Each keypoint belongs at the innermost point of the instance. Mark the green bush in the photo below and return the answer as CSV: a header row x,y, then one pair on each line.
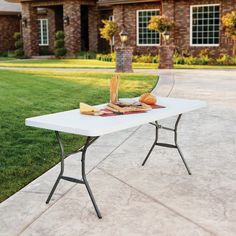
x,y
4,54
86,55
60,35
19,44
44,50
106,57
224,59
60,43
19,52
17,36
60,50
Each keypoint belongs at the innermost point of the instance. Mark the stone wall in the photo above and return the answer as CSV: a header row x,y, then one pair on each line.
x,y
8,26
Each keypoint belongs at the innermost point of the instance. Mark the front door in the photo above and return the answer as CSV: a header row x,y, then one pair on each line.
x,y
84,29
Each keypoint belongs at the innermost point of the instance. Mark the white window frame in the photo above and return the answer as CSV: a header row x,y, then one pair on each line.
x,y
191,27
137,29
41,32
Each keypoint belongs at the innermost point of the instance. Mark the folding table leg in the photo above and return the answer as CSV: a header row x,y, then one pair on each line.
x,y
153,145
175,130
62,167
177,146
88,142
84,181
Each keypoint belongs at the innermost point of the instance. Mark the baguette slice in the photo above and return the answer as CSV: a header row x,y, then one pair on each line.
x,y
87,109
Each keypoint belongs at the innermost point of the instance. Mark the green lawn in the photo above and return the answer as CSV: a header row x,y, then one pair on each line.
x,y
6,59
80,63
67,63
26,153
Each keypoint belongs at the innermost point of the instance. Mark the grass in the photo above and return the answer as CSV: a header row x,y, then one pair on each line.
x,y
80,63
6,58
26,153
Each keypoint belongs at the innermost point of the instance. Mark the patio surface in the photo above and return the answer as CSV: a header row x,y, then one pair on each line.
x,y
158,199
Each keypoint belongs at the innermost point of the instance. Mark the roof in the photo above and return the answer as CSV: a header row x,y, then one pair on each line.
x,y
9,8
116,2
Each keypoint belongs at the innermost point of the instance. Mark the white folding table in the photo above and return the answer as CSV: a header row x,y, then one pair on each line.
x,y
95,126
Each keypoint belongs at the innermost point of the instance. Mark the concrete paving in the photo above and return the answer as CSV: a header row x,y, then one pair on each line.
x,y
158,199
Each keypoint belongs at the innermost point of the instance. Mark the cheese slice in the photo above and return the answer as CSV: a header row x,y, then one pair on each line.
x,y
87,109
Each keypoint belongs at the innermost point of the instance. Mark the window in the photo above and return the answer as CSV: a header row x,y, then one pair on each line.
x,y
146,37
43,32
205,25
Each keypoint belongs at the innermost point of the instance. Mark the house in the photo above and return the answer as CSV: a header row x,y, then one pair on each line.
x,y
197,24
9,24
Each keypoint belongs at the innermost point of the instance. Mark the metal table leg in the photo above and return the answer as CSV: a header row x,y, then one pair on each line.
x,y
167,145
84,181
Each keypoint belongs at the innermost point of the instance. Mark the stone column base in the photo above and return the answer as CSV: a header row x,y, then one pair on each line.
x,y
166,57
124,59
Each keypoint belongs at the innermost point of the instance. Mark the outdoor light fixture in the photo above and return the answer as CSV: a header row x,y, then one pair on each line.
x,y
123,37
66,20
24,22
166,36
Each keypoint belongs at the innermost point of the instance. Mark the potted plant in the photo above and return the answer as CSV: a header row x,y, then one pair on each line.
x,y
161,24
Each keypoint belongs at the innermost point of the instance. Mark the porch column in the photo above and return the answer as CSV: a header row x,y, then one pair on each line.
x,y
93,28
118,13
72,30
168,9
30,30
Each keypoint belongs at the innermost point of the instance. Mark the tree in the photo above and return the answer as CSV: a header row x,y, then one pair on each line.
x,y
229,24
108,31
160,24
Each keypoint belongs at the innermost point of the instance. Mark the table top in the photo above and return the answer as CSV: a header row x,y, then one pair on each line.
x,y
75,123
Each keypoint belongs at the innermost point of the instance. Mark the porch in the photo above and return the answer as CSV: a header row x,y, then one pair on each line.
x,y
79,20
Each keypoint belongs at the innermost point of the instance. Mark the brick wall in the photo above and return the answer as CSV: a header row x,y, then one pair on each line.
x,y
73,30
8,26
30,31
126,15
179,11
93,25
182,26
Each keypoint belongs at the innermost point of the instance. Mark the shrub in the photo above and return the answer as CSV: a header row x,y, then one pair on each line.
x,y
86,55
60,35
19,52
106,57
224,59
19,44
4,54
60,43
44,50
17,36
60,50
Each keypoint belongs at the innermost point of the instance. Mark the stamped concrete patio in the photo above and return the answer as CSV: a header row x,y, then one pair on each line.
x,y
158,199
